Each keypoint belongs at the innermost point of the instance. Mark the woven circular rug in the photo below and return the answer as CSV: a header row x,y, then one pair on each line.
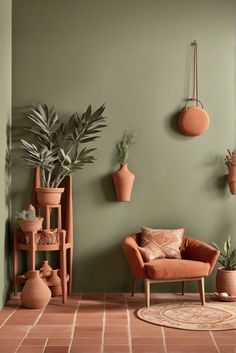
x,y
191,316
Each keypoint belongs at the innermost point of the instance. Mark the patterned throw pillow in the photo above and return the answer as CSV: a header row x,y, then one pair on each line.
x,y
161,243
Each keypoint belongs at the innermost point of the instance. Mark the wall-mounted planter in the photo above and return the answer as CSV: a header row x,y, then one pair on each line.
x,y
193,121
123,181
232,179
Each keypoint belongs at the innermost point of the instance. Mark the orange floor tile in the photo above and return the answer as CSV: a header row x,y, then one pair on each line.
x,y
101,323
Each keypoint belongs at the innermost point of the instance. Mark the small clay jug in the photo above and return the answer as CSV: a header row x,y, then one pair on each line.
x,y
46,269
123,181
35,293
54,282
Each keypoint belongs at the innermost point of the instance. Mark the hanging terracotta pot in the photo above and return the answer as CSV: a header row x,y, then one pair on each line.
x,y
226,281
46,269
49,196
123,180
193,121
232,179
54,282
35,293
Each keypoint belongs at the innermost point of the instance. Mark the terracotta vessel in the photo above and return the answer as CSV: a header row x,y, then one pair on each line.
x,y
49,196
232,179
193,121
30,225
54,282
226,281
123,180
35,293
46,269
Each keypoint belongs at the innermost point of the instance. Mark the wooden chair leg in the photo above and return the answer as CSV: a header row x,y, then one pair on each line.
x,y
201,287
183,287
133,285
147,291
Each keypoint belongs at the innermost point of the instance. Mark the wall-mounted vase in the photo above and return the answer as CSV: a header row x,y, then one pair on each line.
x,y
123,181
232,179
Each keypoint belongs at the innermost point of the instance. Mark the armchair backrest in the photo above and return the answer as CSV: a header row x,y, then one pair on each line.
x,y
133,255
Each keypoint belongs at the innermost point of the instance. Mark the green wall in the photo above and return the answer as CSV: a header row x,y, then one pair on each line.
x,y
133,55
5,118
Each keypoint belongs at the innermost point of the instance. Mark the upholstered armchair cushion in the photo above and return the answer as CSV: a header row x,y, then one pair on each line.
x,y
170,269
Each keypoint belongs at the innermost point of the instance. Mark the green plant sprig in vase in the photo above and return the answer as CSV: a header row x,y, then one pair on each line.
x,y
123,179
226,275
230,162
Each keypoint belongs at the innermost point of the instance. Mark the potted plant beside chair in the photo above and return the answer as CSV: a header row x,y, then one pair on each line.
x,y
226,275
56,146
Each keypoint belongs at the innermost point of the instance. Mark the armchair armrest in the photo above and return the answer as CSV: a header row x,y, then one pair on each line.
x,y
133,256
197,250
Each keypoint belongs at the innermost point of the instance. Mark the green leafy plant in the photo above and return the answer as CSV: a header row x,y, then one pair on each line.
x,y
230,158
124,145
228,257
56,144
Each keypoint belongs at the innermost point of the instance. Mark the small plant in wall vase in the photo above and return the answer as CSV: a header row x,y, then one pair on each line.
x,y
230,161
123,179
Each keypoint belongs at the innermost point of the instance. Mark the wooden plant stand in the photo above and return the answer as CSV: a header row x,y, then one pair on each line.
x,y
31,242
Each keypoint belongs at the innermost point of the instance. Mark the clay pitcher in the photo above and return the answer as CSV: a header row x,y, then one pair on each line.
x,y
35,293
123,180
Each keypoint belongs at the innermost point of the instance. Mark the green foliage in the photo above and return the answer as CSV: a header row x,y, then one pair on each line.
x,y
227,258
124,145
26,214
56,148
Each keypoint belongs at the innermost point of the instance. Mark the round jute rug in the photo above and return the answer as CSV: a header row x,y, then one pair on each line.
x,y
191,316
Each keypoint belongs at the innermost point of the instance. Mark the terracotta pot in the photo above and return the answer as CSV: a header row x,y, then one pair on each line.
x,y
232,179
35,293
193,121
46,269
30,225
226,281
123,180
49,196
55,284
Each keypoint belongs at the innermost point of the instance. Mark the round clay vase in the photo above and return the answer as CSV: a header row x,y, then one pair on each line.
x,y
226,281
49,196
35,293
232,179
54,283
123,181
193,121
30,225
46,269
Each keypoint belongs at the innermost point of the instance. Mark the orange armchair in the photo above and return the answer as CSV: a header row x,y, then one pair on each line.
x,y
197,262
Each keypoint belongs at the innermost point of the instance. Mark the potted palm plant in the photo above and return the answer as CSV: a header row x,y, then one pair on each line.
x,y
55,146
28,221
123,179
230,161
226,275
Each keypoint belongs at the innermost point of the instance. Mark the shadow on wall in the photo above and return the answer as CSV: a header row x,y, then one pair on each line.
x,y
108,188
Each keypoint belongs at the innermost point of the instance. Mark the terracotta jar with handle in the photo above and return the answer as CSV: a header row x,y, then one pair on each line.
x,y
35,293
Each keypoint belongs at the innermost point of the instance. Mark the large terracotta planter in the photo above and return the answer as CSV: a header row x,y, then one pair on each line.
x,y
123,180
30,225
226,281
35,293
49,196
232,179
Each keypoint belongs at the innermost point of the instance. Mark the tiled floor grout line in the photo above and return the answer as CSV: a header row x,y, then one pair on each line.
x,y
31,326
128,324
45,345
164,338
213,339
74,323
9,316
103,322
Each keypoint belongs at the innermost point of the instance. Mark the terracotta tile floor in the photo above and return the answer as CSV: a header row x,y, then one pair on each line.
x,y
102,323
